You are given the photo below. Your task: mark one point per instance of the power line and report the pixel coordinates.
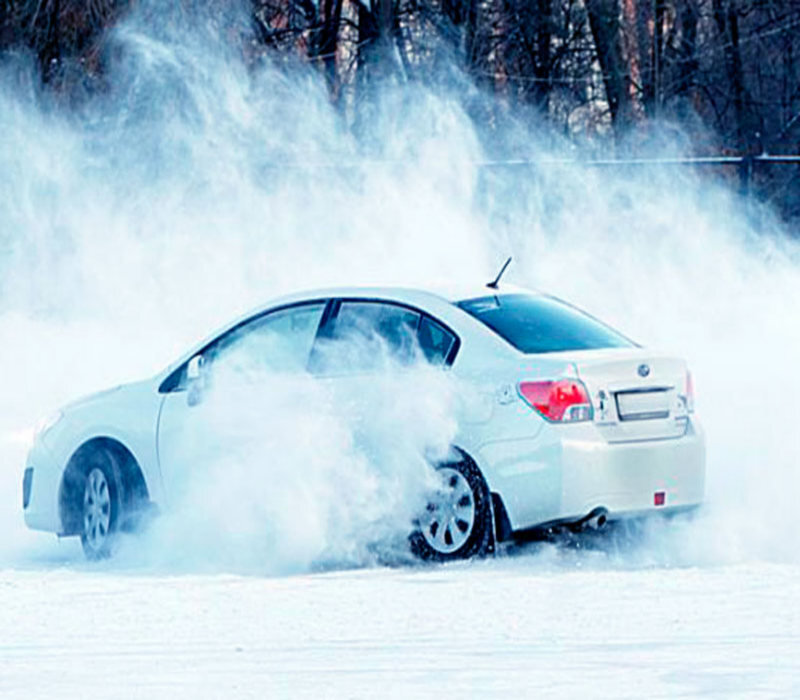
(687, 160)
(591, 162)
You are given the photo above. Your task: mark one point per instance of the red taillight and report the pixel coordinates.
(689, 392)
(564, 400)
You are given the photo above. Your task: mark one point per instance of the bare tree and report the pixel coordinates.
(605, 22)
(729, 70)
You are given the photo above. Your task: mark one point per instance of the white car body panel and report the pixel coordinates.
(542, 471)
(127, 414)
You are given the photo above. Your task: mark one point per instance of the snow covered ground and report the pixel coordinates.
(545, 625)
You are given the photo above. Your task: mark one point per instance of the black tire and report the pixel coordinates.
(99, 505)
(478, 540)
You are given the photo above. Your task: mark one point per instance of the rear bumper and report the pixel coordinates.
(568, 473)
(635, 478)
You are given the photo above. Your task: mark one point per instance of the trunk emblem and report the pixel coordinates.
(644, 370)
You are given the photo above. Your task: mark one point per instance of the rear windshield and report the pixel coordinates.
(537, 323)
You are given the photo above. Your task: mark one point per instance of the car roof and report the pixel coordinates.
(447, 293)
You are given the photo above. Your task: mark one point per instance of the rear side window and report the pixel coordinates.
(435, 341)
(364, 334)
(538, 324)
(377, 328)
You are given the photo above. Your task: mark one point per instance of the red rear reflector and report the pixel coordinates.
(659, 498)
(565, 400)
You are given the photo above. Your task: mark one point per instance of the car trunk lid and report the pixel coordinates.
(636, 394)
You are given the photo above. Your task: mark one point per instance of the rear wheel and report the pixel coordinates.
(100, 509)
(457, 522)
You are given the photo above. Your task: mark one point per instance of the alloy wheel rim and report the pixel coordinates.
(450, 517)
(96, 509)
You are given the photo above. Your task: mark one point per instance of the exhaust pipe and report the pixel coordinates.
(595, 520)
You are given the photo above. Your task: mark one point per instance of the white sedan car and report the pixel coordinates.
(583, 425)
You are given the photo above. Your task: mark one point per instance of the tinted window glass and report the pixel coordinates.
(365, 334)
(394, 325)
(536, 324)
(435, 341)
(276, 342)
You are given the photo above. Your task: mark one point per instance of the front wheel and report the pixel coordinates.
(100, 510)
(457, 522)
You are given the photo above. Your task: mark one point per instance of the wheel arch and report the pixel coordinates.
(501, 527)
(131, 483)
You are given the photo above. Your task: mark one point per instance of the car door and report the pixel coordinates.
(271, 345)
(365, 359)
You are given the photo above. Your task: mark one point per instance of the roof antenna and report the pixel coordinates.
(493, 285)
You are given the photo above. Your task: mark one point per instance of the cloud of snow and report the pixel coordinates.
(281, 474)
(684, 266)
(199, 187)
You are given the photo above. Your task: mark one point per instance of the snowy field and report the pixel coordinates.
(130, 231)
(506, 628)
(550, 624)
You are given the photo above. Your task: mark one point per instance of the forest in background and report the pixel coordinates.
(597, 72)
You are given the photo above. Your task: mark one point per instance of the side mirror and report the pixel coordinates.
(194, 380)
(194, 368)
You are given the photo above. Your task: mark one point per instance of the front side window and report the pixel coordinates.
(279, 341)
(538, 324)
